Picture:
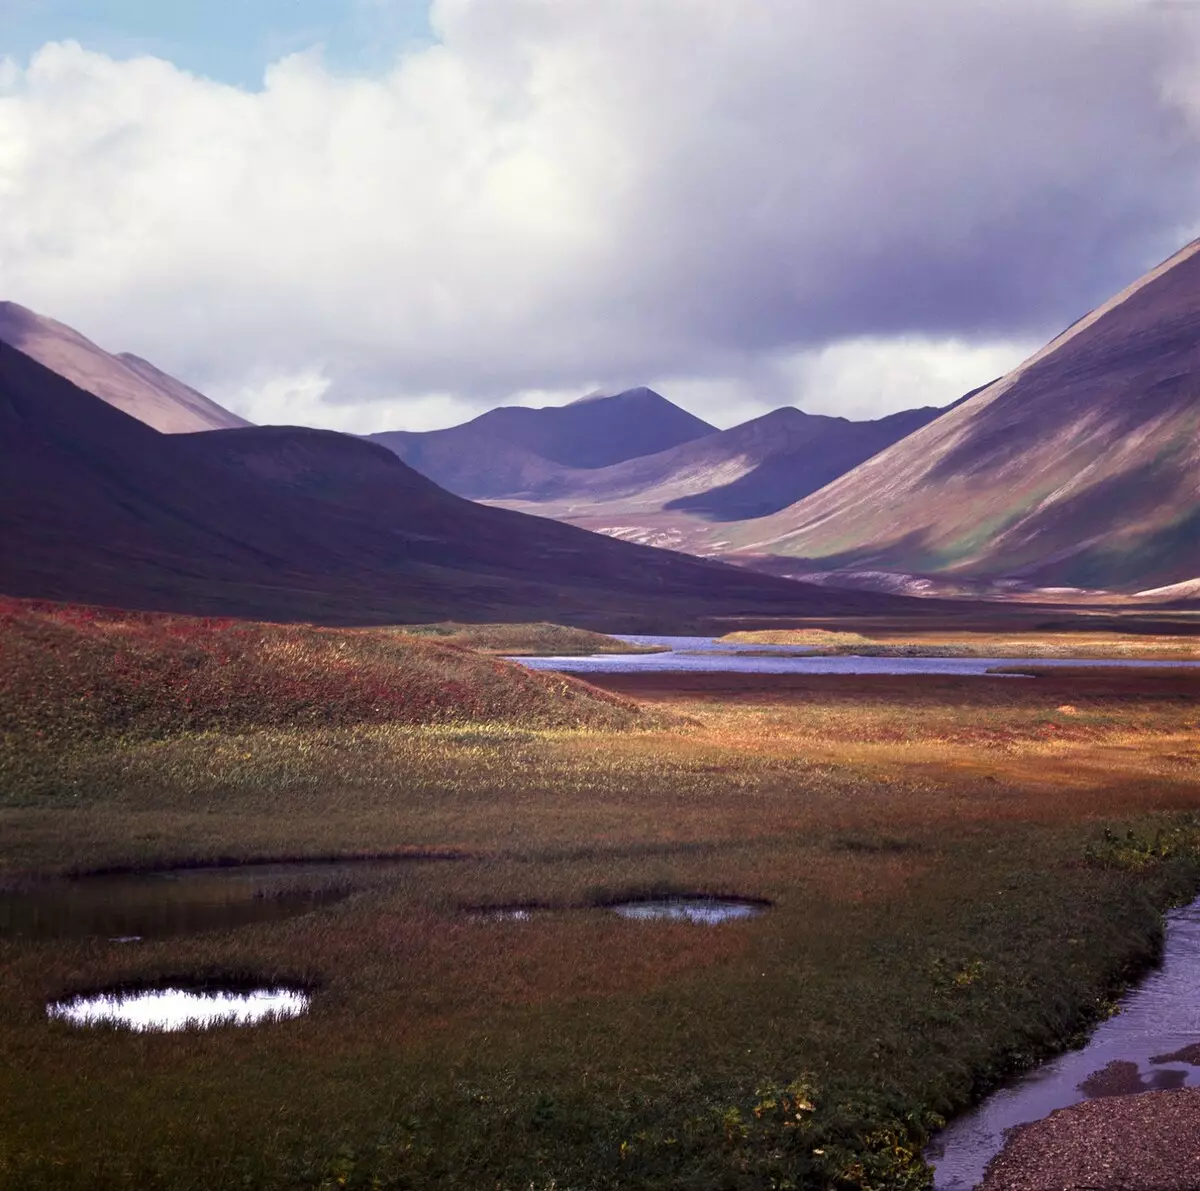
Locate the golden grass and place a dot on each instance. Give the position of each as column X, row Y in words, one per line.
column 961, row 643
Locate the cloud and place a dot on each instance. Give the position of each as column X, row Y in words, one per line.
column 753, row 202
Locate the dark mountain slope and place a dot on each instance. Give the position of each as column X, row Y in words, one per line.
column 125, row 381
column 280, row 523
column 514, row 449
column 1080, row 467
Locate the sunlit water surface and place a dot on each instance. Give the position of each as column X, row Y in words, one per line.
column 172, row 1009
column 705, row 911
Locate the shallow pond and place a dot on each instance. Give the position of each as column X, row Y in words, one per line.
column 1137, row 1050
column 169, row 1009
column 708, row 911
column 131, row 907
column 704, row 654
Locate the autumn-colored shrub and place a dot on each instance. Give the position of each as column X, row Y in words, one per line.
column 83, row 671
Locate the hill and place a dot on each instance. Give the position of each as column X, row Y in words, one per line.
column 279, row 523
column 126, row 381
column 1078, row 468
column 680, row 497
column 513, row 449
column 73, row 671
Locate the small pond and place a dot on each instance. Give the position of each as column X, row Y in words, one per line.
column 708, row 911
column 707, row 655
column 504, row 913
column 170, row 1009
column 1153, row 1043
column 131, row 907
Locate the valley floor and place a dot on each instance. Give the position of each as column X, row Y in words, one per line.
column 946, row 907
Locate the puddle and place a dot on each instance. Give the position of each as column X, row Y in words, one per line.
column 131, row 907
column 169, row 1009
column 707, row 655
column 1152, row 1044
column 504, row 913
column 705, row 910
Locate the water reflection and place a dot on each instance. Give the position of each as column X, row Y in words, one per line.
column 170, row 1009
column 132, row 907
column 704, row 910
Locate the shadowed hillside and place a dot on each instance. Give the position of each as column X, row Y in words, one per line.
column 1079, row 467
column 125, row 381
column 291, row 524
column 514, row 449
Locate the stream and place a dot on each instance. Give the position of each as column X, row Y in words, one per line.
column 1137, row 1050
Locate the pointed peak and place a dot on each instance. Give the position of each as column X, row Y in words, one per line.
column 640, row 393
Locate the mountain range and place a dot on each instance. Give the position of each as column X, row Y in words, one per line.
column 291, row 523
column 683, row 496
column 1078, row 469
column 515, row 450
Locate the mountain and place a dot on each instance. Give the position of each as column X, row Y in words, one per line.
column 1081, row 467
column 513, row 449
column 125, row 381
column 681, row 496
column 280, row 523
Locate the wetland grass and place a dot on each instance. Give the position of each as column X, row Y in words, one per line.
column 946, row 908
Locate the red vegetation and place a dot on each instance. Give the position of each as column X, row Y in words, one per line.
column 85, row 671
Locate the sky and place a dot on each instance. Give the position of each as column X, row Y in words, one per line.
column 385, row 214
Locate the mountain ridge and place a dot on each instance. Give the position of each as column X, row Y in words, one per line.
column 125, row 381
column 1077, row 467
column 515, row 448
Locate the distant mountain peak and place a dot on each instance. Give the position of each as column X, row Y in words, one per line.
column 514, row 449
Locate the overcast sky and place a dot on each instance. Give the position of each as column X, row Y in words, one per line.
column 373, row 214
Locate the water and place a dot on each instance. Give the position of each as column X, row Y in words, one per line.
column 708, row 911
column 132, row 907
column 707, row 655
column 1157, row 1020
column 170, row 1009
column 504, row 914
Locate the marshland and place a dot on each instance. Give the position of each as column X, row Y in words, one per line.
column 955, row 876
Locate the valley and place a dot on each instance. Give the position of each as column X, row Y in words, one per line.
column 435, row 881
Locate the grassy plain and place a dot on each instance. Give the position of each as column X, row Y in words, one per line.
column 947, row 906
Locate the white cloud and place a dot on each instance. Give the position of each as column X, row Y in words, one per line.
column 841, row 205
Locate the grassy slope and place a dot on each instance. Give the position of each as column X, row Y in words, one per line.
column 68, row 671
column 542, row 638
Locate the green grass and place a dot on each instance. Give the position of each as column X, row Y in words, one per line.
column 947, row 907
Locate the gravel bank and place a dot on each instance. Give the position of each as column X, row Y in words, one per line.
column 1147, row 1142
